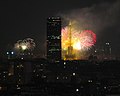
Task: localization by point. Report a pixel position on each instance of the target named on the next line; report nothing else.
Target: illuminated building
(22, 71)
(3, 73)
(103, 51)
(70, 55)
(19, 73)
(10, 54)
(107, 50)
(54, 38)
(39, 71)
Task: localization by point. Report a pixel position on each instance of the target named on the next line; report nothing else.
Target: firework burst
(80, 40)
(87, 39)
(26, 44)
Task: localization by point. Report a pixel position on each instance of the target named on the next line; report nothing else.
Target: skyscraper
(54, 38)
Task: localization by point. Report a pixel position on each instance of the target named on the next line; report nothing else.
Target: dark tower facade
(54, 38)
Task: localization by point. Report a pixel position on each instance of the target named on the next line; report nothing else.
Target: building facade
(54, 38)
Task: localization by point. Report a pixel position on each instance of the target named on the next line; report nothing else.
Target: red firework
(87, 38)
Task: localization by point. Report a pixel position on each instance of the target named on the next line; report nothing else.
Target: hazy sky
(20, 19)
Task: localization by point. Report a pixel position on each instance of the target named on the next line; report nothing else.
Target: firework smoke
(99, 18)
(102, 18)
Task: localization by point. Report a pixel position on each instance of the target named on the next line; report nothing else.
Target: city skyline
(21, 20)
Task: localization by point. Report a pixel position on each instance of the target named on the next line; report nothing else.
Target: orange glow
(76, 42)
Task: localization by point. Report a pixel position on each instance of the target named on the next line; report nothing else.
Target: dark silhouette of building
(54, 38)
(107, 50)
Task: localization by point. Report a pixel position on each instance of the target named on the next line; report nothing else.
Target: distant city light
(12, 52)
(90, 81)
(9, 74)
(73, 74)
(7, 53)
(57, 77)
(105, 87)
(0, 88)
(107, 43)
(77, 90)
(64, 63)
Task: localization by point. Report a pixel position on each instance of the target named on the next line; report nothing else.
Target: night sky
(22, 19)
